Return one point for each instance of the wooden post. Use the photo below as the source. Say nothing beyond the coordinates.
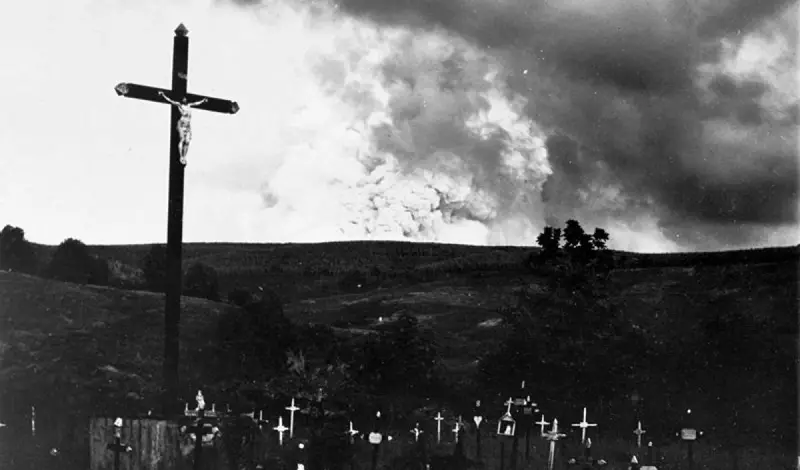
(178, 121)
(502, 454)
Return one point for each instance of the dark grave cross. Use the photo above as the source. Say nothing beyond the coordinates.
(527, 419)
(202, 426)
(181, 104)
(117, 446)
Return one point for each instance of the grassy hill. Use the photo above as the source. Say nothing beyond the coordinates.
(67, 333)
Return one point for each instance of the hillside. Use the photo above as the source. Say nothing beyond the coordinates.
(68, 333)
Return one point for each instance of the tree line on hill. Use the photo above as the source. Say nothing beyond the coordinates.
(72, 261)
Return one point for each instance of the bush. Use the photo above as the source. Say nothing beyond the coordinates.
(252, 341)
(240, 297)
(72, 262)
(154, 268)
(201, 280)
(16, 253)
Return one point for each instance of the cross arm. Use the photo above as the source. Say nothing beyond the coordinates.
(148, 93)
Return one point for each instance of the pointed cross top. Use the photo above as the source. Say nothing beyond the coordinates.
(181, 30)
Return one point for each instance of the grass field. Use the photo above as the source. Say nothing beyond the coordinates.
(68, 333)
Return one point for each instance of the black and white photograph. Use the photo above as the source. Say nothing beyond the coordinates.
(399, 235)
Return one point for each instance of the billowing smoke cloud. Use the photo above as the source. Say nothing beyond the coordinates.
(672, 126)
(404, 134)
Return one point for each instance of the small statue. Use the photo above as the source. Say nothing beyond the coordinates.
(184, 123)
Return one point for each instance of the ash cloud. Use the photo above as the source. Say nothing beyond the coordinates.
(660, 111)
(664, 121)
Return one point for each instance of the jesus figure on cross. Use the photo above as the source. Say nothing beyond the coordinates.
(184, 123)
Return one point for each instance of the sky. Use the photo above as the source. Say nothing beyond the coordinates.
(670, 123)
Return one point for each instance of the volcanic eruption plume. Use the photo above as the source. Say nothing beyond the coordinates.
(405, 135)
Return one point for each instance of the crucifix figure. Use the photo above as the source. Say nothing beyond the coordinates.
(181, 102)
(184, 125)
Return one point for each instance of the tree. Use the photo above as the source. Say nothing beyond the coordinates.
(404, 358)
(564, 325)
(16, 253)
(154, 268)
(550, 241)
(201, 280)
(252, 340)
(72, 262)
(240, 297)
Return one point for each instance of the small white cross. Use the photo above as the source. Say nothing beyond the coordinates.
(352, 431)
(542, 423)
(281, 429)
(291, 409)
(639, 431)
(416, 431)
(509, 403)
(583, 425)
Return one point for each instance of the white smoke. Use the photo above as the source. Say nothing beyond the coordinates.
(400, 135)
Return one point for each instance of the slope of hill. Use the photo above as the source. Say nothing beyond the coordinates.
(69, 333)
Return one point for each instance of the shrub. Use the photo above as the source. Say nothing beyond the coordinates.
(16, 253)
(72, 262)
(252, 341)
(240, 297)
(201, 280)
(154, 268)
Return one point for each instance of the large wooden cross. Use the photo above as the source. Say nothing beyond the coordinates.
(178, 141)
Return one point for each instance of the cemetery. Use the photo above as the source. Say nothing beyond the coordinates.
(594, 361)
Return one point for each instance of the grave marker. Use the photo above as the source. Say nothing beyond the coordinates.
(416, 431)
(542, 423)
(438, 419)
(201, 427)
(583, 425)
(639, 431)
(352, 433)
(375, 438)
(478, 418)
(553, 436)
(689, 434)
(117, 446)
(181, 104)
(281, 429)
(291, 409)
(506, 425)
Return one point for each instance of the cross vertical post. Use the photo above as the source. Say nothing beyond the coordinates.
(172, 303)
(180, 134)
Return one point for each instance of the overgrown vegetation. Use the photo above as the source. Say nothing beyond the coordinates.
(397, 332)
(17, 253)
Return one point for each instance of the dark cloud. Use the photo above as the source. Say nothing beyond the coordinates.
(617, 80)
